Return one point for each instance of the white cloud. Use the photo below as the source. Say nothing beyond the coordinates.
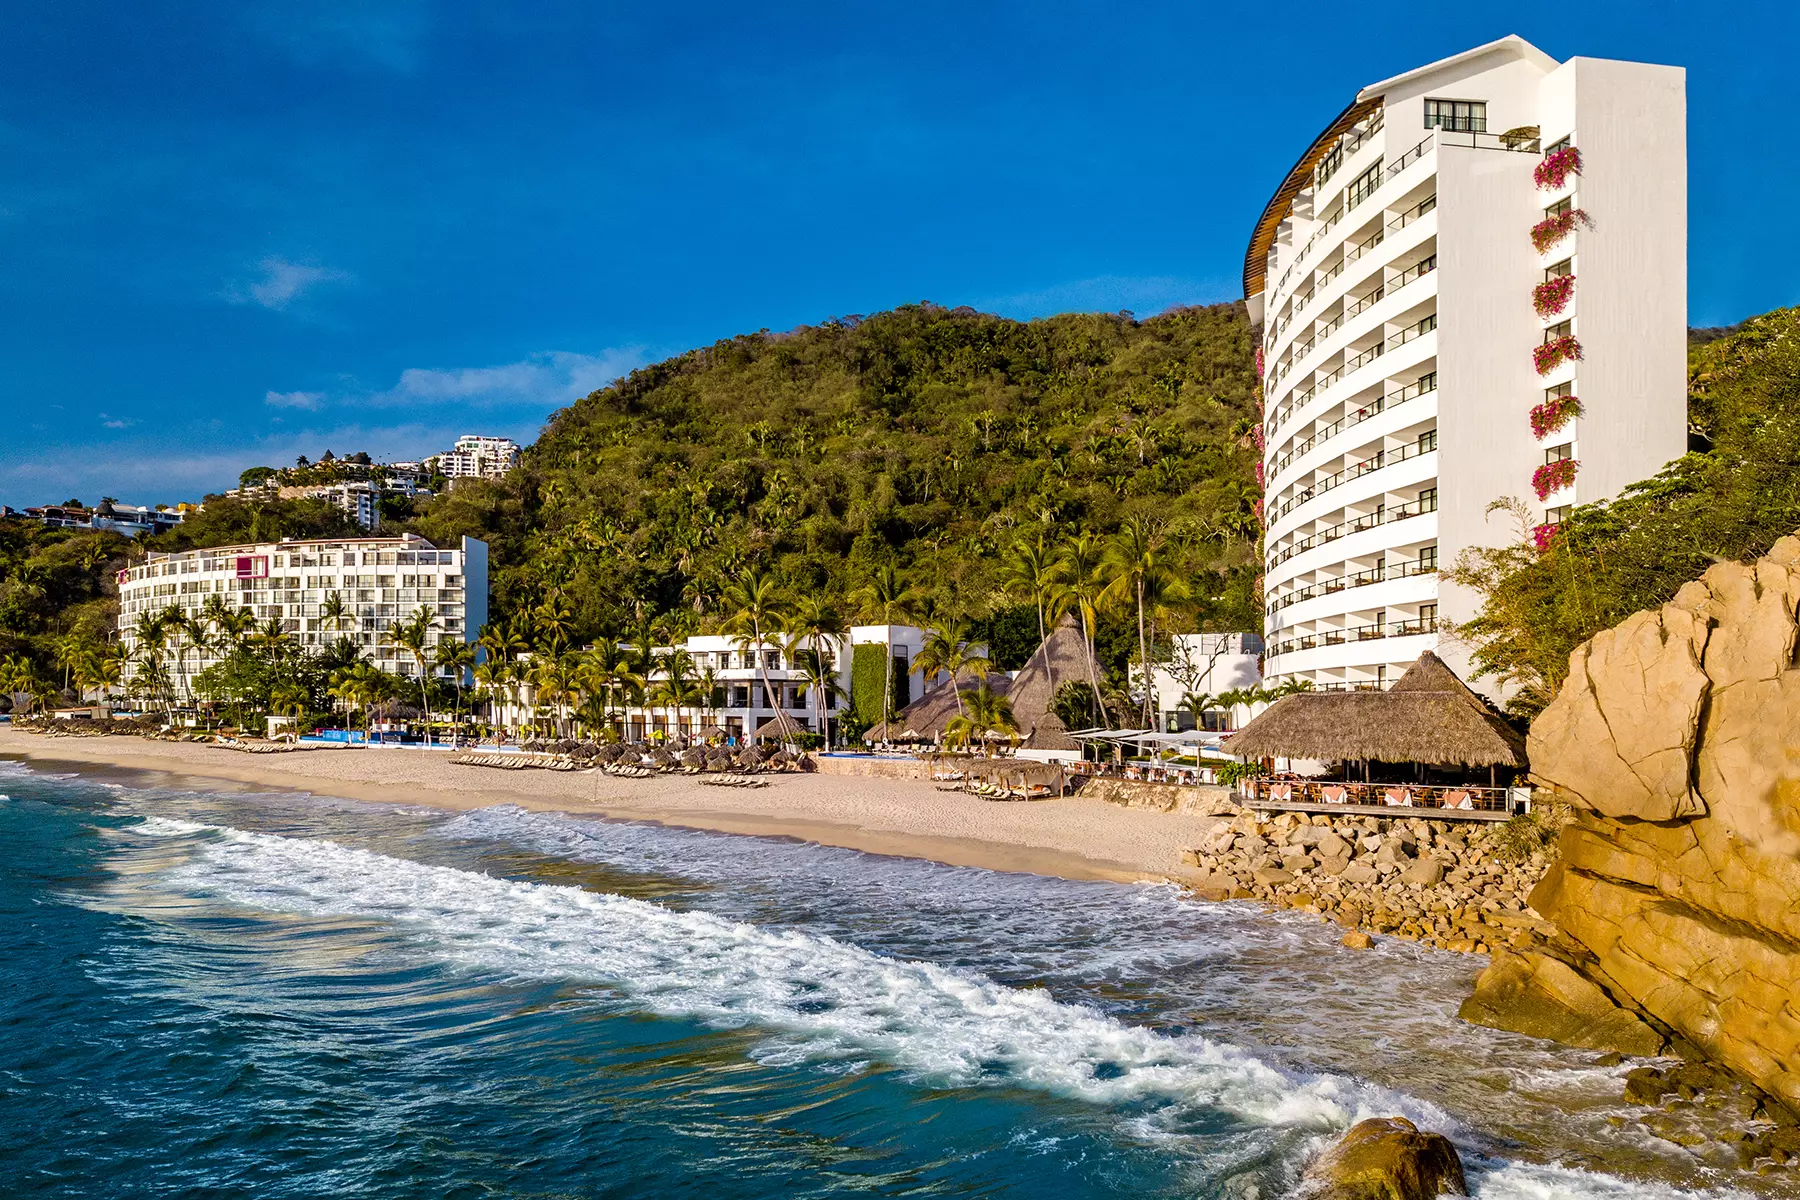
(306, 400)
(108, 421)
(281, 284)
(551, 379)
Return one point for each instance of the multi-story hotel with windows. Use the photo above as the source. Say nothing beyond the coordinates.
(1471, 287)
(378, 581)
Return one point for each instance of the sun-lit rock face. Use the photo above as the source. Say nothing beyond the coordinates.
(1677, 739)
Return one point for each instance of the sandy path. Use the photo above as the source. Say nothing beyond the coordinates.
(1072, 837)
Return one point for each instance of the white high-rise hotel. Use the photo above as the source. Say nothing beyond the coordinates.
(1472, 286)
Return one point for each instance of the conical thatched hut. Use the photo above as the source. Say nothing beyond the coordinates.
(1429, 716)
(927, 716)
(780, 727)
(1063, 658)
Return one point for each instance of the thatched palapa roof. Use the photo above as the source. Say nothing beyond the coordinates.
(779, 726)
(1429, 716)
(1061, 659)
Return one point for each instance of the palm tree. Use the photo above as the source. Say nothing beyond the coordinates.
(553, 675)
(414, 635)
(490, 679)
(1078, 573)
(1197, 704)
(1138, 577)
(455, 656)
(182, 632)
(501, 643)
(887, 595)
(151, 635)
(757, 607)
(357, 687)
(989, 714)
(809, 623)
(1030, 572)
(947, 648)
(334, 614)
(606, 671)
(553, 620)
(289, 700)
(677, 688)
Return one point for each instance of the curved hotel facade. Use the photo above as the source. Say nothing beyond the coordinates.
(1471, 287)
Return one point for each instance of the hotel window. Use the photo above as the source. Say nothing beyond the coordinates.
(1460, 116)
(1560, 207)
(1334, 158)
(1427, 441)
(1428, 615)
(1557, 515)
(1565, 267)
(1560, 453)
(1560, 329)
(1428, 558)
(1561, 391)
(1562, 143)
(1365, 186)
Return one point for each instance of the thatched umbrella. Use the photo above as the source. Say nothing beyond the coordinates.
(1429, 716)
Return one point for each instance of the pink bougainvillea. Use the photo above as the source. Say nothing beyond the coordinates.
(1552, 415)
(1551, 230)
(1553, 295)
(1557, 166)
(1259, 362)
(1543, 535)
(1553, 353)
(1553, 477)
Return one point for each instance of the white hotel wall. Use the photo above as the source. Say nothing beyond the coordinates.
(1629, 314)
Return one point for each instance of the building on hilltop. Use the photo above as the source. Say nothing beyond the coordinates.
(1472, 286)
(127, 519)
(479, 457)
(377, 580)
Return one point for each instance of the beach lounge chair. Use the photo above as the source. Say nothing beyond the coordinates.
(1334, 794)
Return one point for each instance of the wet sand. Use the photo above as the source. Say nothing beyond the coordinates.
(1071, 837)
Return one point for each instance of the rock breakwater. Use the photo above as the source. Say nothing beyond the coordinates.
(1454, 885)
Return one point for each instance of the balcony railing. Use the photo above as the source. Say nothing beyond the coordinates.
(1419, 387)
(1388, 797)
(1293, 404)
(1381, 516)
(1374, 575)
(1381, 458)
(1374, 631)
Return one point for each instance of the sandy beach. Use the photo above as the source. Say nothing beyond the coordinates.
(1071, 837)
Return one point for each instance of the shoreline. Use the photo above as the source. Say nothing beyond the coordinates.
(1069, 838)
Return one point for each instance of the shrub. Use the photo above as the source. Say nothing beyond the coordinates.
(1553, 295)
(1553, 477)
(1552, 415)
(1555, 169)
(1553, 353)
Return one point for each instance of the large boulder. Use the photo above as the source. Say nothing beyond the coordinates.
(1541, 995)
(1387, 1158)
(1677, 741)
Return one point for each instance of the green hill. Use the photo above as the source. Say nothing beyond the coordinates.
(928, 437)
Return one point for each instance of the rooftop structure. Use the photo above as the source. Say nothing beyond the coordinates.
(128, 519)
(1472, 286)
(479, 457)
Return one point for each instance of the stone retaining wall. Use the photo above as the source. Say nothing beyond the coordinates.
(1161, 797)
(871, 768)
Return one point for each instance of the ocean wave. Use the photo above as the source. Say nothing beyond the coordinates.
(823, 1001)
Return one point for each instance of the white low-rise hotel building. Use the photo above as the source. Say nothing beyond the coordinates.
(380, 581)
(742, 704)
(1472, 286)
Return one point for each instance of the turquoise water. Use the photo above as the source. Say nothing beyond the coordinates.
(215, 993)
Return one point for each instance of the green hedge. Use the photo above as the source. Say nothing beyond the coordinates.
(867, 665)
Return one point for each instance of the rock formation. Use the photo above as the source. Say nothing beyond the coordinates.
(1676, 894)
(1387, 1159)
(1456, 885)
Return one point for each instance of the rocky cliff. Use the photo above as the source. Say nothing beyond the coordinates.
(1676, 893)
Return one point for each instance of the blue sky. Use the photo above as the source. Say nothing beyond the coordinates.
(231, 233)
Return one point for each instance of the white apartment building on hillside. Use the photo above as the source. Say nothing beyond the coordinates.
(1472, 286)
(380, 580)
(479, 457)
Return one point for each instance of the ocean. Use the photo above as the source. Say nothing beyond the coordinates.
(211, 992)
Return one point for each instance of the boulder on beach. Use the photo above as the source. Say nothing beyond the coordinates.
(1537, 994)
(1387, 1158)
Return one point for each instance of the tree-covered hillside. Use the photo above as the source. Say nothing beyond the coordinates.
(929, 438)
